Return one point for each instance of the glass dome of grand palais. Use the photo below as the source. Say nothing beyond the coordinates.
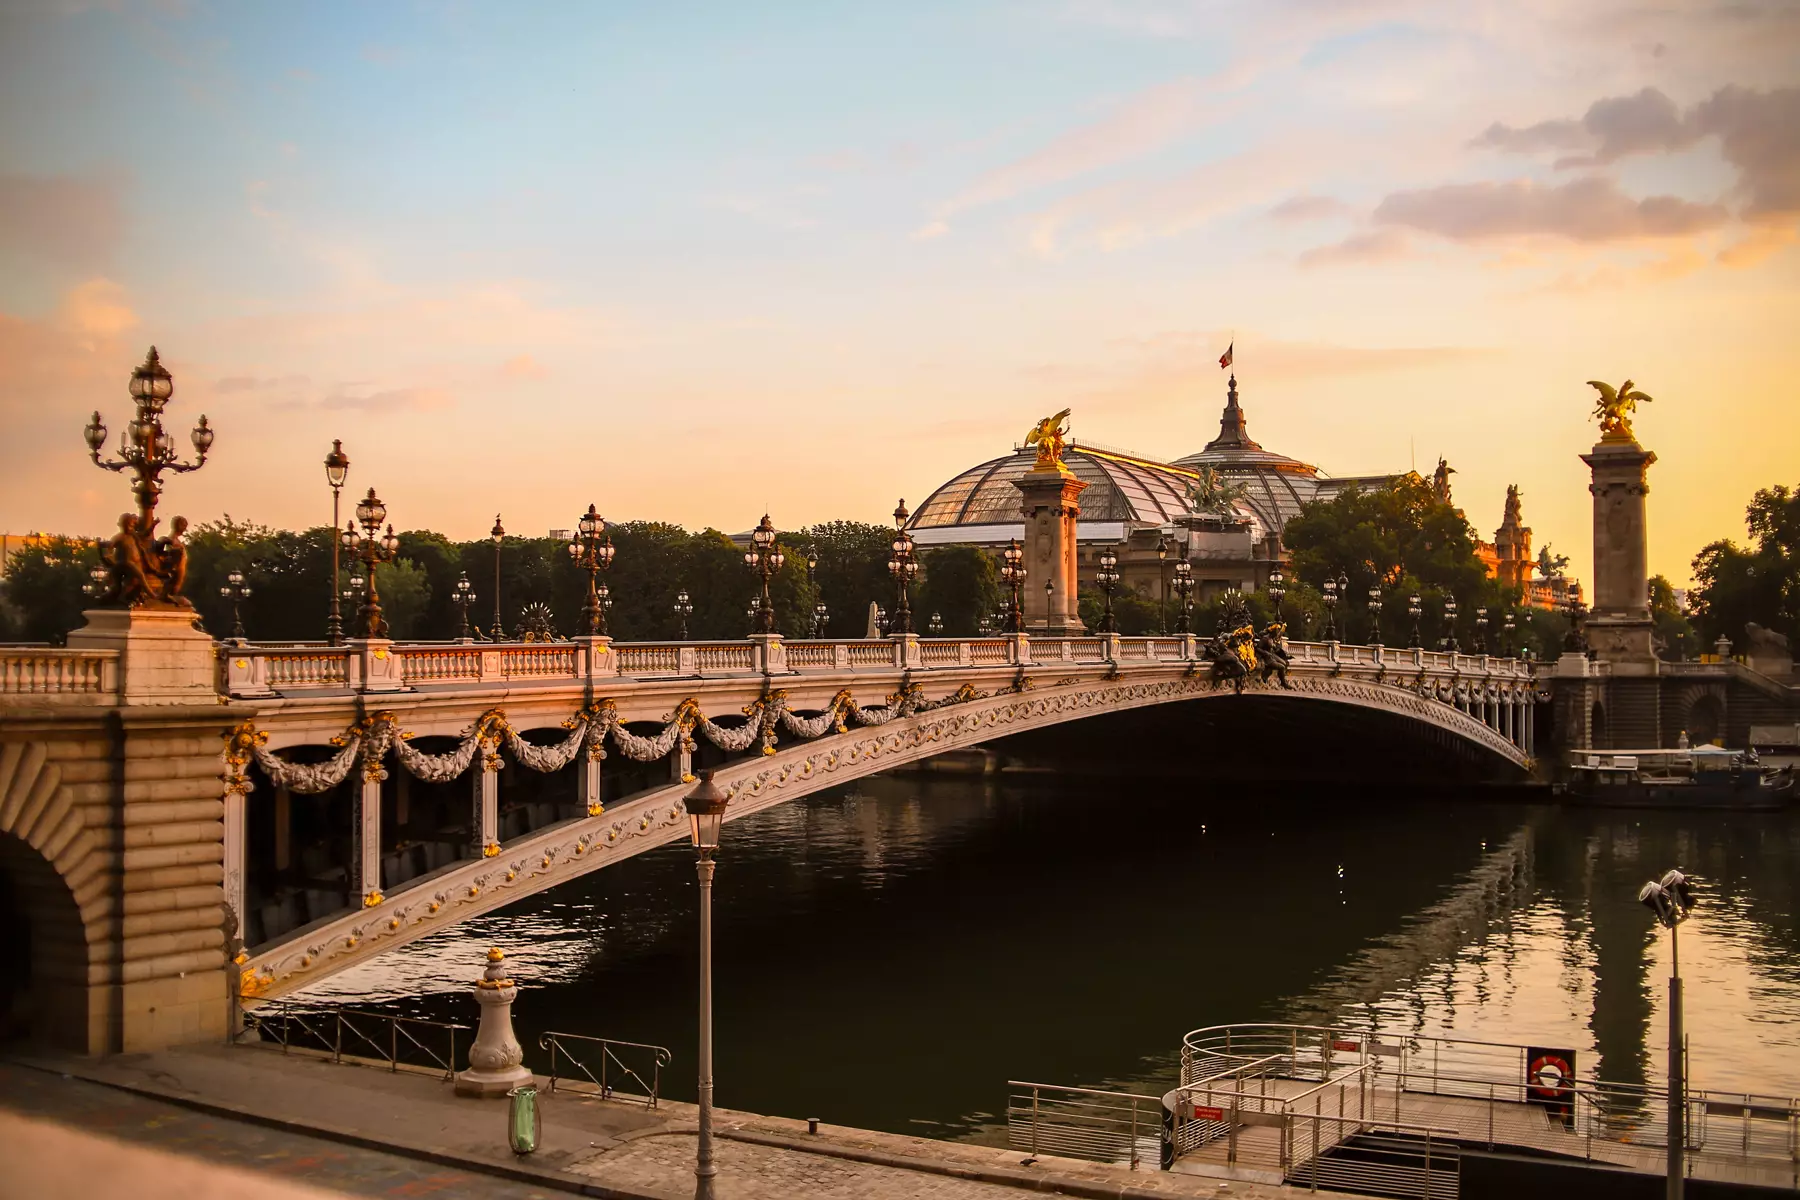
(1137, 505)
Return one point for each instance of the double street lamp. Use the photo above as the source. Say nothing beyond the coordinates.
(1106, 578)
(1012, 573)
(706, 814)
(1276, 589)
(1184, 591)
(592, 551)
(337, 469)
(683, 608)
(498, 533)
(1671, 898)
(903, 566)
(372, 548)
(765, 558)
(1481, 622)
(236, 591)
(1375, 616)
(1164, 544)
(1506, 633)
(1413, 610)
(462, 595)
(1450, 643)
(936, 625)
(1331, 602)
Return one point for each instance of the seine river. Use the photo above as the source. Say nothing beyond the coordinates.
(891, 953)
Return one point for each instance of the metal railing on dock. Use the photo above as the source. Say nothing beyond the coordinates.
(614, 1071)
(411, 1043)
(1073, 1122)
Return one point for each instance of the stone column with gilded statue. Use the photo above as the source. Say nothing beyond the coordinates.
(1049, 500)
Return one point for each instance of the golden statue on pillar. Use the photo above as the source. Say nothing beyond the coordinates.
(1614, 407)
(1049, 436)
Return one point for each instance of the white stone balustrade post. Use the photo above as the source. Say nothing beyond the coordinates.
(906, 651)
(1109, 647)
(1018, 649)
(380, 665)
(496, 1060)
(592, 657)
(768, 655)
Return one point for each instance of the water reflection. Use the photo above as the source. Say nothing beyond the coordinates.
(890, 954)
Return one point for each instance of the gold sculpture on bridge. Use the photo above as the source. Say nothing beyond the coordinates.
(1614, 407)
(1049, 435)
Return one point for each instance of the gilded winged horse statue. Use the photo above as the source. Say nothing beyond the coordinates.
(1048, 436)
(1614, 407)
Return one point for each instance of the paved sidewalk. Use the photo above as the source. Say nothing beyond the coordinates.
(602, 1148)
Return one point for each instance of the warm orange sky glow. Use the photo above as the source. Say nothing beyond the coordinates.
(693, 269)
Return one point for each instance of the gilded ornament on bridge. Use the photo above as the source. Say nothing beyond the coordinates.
(1614, 407)
(1049, 435)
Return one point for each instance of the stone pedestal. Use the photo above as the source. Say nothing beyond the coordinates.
(163, 659)
(496, 1059)
(1049, 501)
(1619, 627)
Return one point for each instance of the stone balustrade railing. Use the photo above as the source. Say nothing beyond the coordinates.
(46, 674)
(250, 671)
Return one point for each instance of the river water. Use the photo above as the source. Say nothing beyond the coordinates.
(889, 954)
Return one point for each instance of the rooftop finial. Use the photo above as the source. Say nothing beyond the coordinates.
(1232, 432)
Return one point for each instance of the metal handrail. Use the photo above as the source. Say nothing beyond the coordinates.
(1077, 1122)
(322, 1030)
(611, 1065)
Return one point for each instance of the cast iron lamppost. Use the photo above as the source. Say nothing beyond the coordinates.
(498, 533)
(1331, 600)
(684, 608)
(337, 469)
(1450, 625)
(936, 625)
(706, 813)
(1506, 634)
(372, 548)
(903, 566)
(1344, 596)
(1012, 573)
(1375, 616)
(1184, 589)
(463, 595)
(1671, 898)
(592, 551)
(1413, 610)
(236, 591)
(355, 587)
(1276, 591)
(1164, 544)
(146, 449)
(1481, 621)
(1106, 578)
(765, 558)
(1049, 594)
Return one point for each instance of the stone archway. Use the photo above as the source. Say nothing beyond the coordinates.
(55, 888)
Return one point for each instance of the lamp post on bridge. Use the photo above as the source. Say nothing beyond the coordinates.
(936, 625)
(821, 615)
(372, 548)
(1343, 591)
(1012, 572)
(1164, 544)
(592, 551)
(1481, 622)
(236, 591)
(498, 533)
(1276, 589)
(1450, 643)
(684, 608)
(1331, 602)
(337, 469)
(1106, 578)
(462, 595)
(1671, 898)
(765, 558)
(903, 566)
(1375, 616)
(1506, 634)
(1413, 610)
(706, 814)
(1184, 589)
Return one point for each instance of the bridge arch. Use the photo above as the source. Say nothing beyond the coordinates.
(792, 770)
(55, 910)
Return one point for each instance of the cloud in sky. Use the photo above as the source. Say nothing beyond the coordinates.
(523, 366)
(1308, 208)
(73, 223)
(1585, 210)
(1376, 245)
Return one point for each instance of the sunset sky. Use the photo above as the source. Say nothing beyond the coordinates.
(693, 262)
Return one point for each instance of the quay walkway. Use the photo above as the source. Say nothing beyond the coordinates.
(611, 1148)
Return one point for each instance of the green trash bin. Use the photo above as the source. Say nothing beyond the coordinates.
(524, 1125)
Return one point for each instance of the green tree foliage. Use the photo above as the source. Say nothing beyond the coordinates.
(853, 559)
(1675, 633)
(1736, 585)
(1404, 540)
(40, 594)
(961, 584)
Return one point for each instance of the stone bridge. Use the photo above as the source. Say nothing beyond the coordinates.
(183, 820)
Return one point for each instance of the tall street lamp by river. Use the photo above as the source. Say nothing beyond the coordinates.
(1106, 578)
(765, 558)
(372, 548)
(1184, 591)
(236, 591)
(1164, 544)
(1671, 898)
(592, 551)
(1450, 643)
(1276, 589)
(1413, 610)
(498, 533)
(1331, 603)
(463, 595)
(337, 469)
(706, 814)
(1375, 616)
(684, 608)
(904, 565)
(1012, 573)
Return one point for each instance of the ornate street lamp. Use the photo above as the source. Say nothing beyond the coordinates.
(1331, 602)
(1106, 578)
(591, 550)
(1164, 544)
(1413, 610)
(935, 626)
(1012, 573)
(821, 618)
(144, 569)
(903, 566)
(684, 608)
(337, 469)
(706, 816)
(355, 587)
(498, 533)
(881, 621)
(765, 558)
(1184, 590)
(750, 613)
(1375, 616)
(236, 591)
(1343, 582)
(1481, 621)
(1450, 625)
(1276, 591)
(1671, 898)
(371, 547)
(1506, 634)
(462, 595)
